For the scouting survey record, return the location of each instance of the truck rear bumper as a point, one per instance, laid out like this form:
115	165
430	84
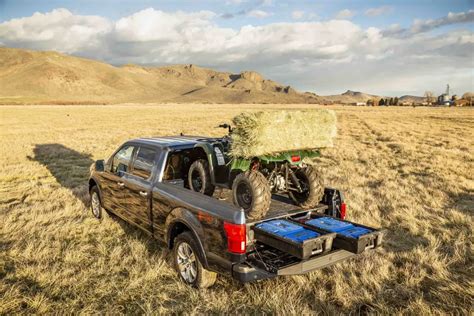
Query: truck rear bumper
244	272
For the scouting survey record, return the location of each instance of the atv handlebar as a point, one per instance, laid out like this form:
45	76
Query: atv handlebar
225	125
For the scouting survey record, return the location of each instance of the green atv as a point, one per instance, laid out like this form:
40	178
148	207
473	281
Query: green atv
253	181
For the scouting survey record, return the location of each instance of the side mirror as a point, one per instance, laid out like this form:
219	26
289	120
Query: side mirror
100	165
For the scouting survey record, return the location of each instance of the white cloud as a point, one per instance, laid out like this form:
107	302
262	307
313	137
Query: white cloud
156	25
260	14
345	14
56	30
297	14
319	56
378	11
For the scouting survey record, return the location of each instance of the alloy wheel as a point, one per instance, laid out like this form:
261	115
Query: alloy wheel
187	263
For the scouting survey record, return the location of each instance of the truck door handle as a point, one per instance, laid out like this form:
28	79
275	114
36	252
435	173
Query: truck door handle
143	193
121	184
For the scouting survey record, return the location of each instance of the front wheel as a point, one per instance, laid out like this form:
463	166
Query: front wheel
96	205
312	189
188	265
251	192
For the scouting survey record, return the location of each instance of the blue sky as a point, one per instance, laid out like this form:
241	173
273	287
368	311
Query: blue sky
354	44
403	12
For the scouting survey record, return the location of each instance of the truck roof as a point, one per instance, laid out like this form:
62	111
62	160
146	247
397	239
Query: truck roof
174	141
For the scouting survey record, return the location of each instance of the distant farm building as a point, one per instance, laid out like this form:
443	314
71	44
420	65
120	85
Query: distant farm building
445	98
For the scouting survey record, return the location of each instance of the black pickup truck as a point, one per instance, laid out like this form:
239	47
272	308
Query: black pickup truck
144	183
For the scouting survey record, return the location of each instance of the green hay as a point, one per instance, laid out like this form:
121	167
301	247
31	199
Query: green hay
270	132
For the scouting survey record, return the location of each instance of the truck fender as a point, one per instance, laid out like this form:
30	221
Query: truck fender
93	181
183	218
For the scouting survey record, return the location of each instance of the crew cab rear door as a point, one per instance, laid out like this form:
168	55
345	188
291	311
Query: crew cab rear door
137	186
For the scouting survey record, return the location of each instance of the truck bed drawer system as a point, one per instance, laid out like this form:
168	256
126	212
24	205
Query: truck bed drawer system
282	243
293	238
352	237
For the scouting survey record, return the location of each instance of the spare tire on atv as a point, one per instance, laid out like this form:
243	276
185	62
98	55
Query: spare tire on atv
312	188
250	191
199	177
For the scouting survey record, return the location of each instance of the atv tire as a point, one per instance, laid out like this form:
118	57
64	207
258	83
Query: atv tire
251	192
313	189
199	177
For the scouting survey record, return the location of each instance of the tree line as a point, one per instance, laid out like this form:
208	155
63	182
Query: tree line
384	101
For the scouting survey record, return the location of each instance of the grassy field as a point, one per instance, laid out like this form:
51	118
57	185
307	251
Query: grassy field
409	170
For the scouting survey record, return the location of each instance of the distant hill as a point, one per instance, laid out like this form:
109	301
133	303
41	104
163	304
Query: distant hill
351	97
411	99
468	95
49	77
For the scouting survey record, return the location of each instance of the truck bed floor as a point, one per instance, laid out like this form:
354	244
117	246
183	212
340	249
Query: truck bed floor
280	206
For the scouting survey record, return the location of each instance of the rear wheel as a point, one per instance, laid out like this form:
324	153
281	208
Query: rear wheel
312	189
188	265
251	192
199	177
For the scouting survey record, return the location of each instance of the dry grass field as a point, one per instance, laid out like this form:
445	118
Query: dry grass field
409	170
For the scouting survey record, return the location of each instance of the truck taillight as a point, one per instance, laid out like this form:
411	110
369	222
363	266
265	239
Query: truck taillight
343	210
236	237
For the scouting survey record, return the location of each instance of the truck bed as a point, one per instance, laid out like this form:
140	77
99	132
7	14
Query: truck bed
281	206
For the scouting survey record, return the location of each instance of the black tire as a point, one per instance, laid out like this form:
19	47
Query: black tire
96	203
203	278
251	192
199	177
312	185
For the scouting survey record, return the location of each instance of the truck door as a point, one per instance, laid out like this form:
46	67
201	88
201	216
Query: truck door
112	185
137	190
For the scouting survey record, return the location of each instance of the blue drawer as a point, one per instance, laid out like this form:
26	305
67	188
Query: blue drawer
280	227
293	238
354	232
301	236
329	224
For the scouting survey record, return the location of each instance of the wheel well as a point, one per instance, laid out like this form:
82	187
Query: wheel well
176	229
92	183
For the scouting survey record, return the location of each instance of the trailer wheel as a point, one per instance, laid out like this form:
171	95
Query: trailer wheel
311	185
188	265
251	192
199	177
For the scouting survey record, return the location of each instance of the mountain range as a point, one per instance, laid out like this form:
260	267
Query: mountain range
47	77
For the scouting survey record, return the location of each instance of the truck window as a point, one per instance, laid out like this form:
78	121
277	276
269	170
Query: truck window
122	159
173	167
143	163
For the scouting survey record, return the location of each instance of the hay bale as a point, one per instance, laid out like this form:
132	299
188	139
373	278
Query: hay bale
271	132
